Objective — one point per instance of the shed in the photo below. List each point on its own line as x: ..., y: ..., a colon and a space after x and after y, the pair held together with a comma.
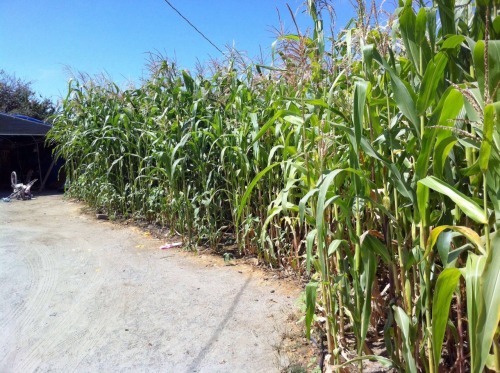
x: 22, y: 149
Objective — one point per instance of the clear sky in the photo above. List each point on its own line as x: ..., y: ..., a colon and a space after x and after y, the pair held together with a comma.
x: 40, y: 39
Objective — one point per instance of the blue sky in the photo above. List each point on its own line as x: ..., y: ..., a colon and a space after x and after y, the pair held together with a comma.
x: 40, y: 39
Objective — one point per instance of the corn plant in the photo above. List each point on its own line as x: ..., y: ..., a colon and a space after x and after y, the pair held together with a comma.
x: 366, y: 160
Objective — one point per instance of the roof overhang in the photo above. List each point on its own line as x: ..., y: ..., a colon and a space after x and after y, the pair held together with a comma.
x: 18, y: 125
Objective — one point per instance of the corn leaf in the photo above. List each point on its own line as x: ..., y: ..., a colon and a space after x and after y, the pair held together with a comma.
x: 403, y: 322
x: 493, y: 67
x: 466, y: 204
x: 409, y: 34
x: 453, y: 41
x: 359, y: 109
x: 489, y: 314
x: 366, y: 281
x: 374, y: 244
x: 270, y: 122
x: 486, y: 143
x: 311, y: 236
x: 320, y: 213
x: 385, y: 362
x: 445, y: 286
x: 468, y: 233
x: 447, y: 16
x: 433, y: 76
x: 249, y: 189
x: 402, y: 93
x: 334, y: 245
x: 441, y: 151
x: 310, y: 305
x: 473, y: 271
x: 423, y: 202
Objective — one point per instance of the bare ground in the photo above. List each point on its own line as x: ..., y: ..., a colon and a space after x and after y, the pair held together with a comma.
x: 84, y: 295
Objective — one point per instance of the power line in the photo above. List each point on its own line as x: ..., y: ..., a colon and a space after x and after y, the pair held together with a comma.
x: 193, y: 26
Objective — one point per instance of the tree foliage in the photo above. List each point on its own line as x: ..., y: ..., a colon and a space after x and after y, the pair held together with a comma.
x: 18, y: 97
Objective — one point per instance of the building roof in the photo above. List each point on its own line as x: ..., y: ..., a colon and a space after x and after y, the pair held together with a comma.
x: 21, y: 125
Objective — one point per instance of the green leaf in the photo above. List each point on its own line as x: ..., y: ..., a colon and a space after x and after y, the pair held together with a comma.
x: 310, y: 305
x: 443, y: 245
x: 433, y: 76
x: 270, y: 215
x: 374, y: 244
x: 320, y: 214
x: 441, y: 151
x: 431, y: 27
x: 468, y: 233
x: 402, y: 94
x: 294, y: 119
x: 447, y: 16
x: 334, y: 245
x: 270, y: 122
x: 466, y: 204
x: 360, y: 90
x: 448, y: 108
x: 403, y: 322
x: 311, y: 236
x: 473, y: 271
x: 486, y: 143
x: 420, y: 26
x: 493, y: 361
x: 445, y: 286
x: 482, y: 276
x: 367, y: 279
x: 423, y: 202
x: 248, y: 191
x: 302, y: 204
x: 489, y: 315
x: 451, y: 107
x: 412, y: 33
x: 453, y: 41
x: 398, y: 179
x: 385, y: 362
x: 188, y: 81
x: 496, y: 27
x: 493, y: 67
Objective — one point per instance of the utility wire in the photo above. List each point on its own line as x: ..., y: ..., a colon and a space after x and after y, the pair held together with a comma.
x: 193, y: 26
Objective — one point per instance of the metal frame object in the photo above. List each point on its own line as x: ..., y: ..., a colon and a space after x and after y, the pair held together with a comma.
x: 20, y: 191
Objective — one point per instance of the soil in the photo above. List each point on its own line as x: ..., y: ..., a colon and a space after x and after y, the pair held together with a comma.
x: 83, y: 294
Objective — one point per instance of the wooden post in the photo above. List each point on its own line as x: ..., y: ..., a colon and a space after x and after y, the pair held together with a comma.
x: 42, y: 187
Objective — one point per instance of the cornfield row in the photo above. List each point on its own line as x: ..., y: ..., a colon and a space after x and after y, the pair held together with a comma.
x: 369, y: 161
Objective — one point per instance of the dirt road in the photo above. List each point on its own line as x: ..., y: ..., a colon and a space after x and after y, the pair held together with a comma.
x: 82, y: 295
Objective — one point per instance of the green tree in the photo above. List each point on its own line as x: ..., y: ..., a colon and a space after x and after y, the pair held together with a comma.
x: 17, y: 97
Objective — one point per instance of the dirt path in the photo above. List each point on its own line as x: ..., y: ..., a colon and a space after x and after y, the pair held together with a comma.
x: 82, y: 295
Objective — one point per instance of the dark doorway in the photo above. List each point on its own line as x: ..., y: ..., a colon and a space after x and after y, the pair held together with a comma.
x: 23, y: 150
